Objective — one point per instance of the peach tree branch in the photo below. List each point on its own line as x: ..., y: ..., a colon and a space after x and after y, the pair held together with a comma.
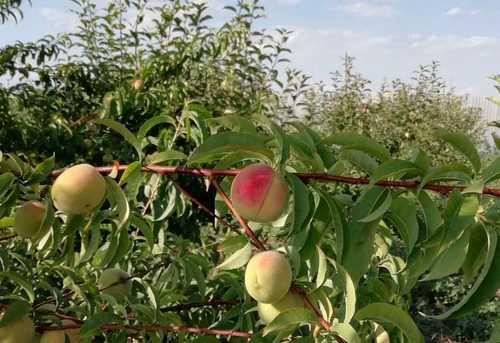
x: 307, y: 177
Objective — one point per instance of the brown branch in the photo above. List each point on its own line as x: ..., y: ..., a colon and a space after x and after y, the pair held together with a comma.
x: 248, y: 231
x: 6, y: 238
x: 155, y: 328
x: 319, y: 177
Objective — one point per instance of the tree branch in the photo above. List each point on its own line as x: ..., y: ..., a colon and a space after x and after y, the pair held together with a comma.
x: 6, y: 238
x: 154, y: 328
x: 319, y: 177
x: 248, y: 231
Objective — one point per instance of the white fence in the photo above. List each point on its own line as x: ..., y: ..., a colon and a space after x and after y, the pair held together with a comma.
x: 489, y: 110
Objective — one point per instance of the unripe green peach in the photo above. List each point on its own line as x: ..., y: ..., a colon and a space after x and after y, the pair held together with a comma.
x: 20, y: 331
x: 111, y: 276
x: 268, y: 312
x: 59, y: 336
x: 259, y: 193
x: 268, y: 277
x: 28, y: 219
x: 78, y: 190
x: 138, y: 84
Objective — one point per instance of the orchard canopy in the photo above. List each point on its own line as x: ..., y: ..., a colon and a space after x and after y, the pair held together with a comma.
x: 286, y: 247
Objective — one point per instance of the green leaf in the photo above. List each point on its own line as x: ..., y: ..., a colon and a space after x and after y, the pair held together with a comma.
x: 403, y: 215
x: 463, y: 144
x: 6, y: 181
x: 492, y: 172
x: 432, y: 216
x: 25, y: 284
x: 337, y: 220
x: 322, y: 267
x: 381, y: 312
x: 359, y: 237
x: 291, y: 317
x: 237, y: 259
x: 120, y: 200
x: 358, y: 142
x: 230, y: 142
x: 92, y: 325
x: 346, y: 332
x: 450, y: 261
x: 15, y: 311
x: 43, y: 170
x: 235, y: 123
x: 164, y: 156
x: 449, y: 172
x: 486, y: 284
x: 360, y: 160
x: 377, y: 213
x: 301, y: 206
x: 123, y: 131
x: 150, y: 123
x: 344, y: 279
x: 476, y: 254
x: 393, y: 169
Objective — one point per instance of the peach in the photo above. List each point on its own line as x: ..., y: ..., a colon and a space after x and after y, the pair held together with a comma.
x: 268, y: 312
x: 112, y: 276
x: 28, y: 219
x: 268, y: 277
x: 20, y: 331
x: 259, y: 193
x: 138, y: 84
x: 78, y: 190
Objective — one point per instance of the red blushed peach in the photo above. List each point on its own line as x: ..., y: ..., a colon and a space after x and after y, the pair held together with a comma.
x: 268, y: 277
x: 259, y: 193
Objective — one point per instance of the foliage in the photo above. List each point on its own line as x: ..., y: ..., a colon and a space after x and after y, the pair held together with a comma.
x: 357, y: 258
x: 410, y: 111
x: 208, y: 96
x: 66, y: 81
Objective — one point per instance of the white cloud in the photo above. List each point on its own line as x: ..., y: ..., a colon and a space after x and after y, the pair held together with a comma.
x: 466, y: 60
x: 60, y: 20
x: 287, y: 2
x: 373, y: 8
x: 434, y: 44
x: 458, y: 11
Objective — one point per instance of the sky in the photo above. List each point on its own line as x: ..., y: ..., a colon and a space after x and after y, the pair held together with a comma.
x: 389, y: 38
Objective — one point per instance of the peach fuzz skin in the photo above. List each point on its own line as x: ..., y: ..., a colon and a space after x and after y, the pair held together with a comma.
x: 259, y: 193
x: 268, y: 277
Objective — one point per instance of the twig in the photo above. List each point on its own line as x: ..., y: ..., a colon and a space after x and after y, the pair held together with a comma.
x: 205, y: 209
x: 319, y: 177
x: 154, y: 328
x: 6, y: 238
x: 248, y: 231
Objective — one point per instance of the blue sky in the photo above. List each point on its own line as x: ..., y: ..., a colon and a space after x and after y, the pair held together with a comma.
x: 389, y: 38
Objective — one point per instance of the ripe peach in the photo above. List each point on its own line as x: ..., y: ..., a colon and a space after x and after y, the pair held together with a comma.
x: 268, y: 312
x: 20, y: 331
x: 28, y: 219
x: 268, y: 277
x: 78, y: 190
x: 138, y: 84
x: 112, y: 276
x: 259, y: 193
